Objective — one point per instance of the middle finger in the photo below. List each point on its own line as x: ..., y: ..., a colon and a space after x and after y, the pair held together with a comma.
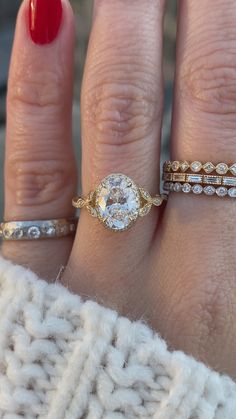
x: 122, y: 103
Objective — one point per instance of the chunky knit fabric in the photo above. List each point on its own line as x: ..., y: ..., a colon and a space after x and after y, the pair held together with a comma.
x: 61, y: 358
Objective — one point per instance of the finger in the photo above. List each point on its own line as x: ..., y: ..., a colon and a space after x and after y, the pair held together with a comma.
x: 40, y: 170
x: 203, y: 304
x: 122, y: 101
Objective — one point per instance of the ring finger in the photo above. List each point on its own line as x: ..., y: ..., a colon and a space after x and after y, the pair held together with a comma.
x: 203, y: 304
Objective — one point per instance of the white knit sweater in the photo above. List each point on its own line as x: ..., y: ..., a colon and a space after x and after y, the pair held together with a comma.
x: 61, y: 358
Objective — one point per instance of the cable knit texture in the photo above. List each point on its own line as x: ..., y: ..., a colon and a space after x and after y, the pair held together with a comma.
x: 61, y: 358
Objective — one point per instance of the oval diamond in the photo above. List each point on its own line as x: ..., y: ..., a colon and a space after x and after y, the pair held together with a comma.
x: 232, y: 192
x: 117, y: 202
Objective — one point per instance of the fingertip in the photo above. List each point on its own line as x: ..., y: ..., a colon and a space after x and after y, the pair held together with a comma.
x: 32, y: 13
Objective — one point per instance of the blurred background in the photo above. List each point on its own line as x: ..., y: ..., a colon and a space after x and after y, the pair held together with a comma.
x: 82, y: 9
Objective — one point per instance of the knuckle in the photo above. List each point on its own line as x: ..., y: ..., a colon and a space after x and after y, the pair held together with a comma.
x: 43, y: 89
x: 210, y: 81
x: 38, y: 182
x: 121, y: 113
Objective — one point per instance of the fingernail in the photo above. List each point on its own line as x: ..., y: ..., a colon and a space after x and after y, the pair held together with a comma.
x: 44, y: 20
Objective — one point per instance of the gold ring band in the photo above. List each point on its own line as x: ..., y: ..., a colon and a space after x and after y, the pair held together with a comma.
x: 199, y: 178
x: 117, y: 202
x: 37, y: 229
x: 197, y: 167
x: 198, y: 189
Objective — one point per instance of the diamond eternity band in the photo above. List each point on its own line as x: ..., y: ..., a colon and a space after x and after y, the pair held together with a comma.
x: 37, y: 229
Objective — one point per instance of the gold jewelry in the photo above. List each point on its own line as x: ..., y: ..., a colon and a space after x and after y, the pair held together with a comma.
x: 198, y: 189
x: 199, y: 178
x: 37, y: 230
x: 207, y: 178
x: 117, y: 202
x: 196, y: 167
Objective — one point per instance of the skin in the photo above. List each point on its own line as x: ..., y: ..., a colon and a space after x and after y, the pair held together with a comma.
x: 176, y: 268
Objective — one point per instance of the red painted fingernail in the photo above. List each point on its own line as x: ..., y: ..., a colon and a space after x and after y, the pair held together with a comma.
x: 44, y: 20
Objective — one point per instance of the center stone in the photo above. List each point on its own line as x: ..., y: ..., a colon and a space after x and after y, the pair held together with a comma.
x: 117, y: 202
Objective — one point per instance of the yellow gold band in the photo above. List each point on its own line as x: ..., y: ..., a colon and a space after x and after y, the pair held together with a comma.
x: 199, y: 178
x: 197, y: 167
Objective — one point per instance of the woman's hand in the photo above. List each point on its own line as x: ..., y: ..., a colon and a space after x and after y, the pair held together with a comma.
x: 176, y: 267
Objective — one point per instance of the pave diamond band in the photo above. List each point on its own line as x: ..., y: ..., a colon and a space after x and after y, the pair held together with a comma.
x: 37, y: 229
x: 117, y: 202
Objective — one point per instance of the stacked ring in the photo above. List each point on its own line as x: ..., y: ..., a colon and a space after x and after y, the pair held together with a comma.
x: 200, y: 178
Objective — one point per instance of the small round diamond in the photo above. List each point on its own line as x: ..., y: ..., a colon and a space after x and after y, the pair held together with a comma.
x: 177, y: 187
x: 7, y: 233
x: 175, y: 166
x: 232, y: 192
x: 51, y: 231
x: 117, y: 202
x: 186, y: 188
x: 221, y: 191
x: 171, y: 187
x: 233, y: 169
x: 209, y: 190
x: 196, y: 166
x: 197, y: 189
x: 209, y: 167
x: 18, y: 233
x: 34, y: 232
x: 222, y: 168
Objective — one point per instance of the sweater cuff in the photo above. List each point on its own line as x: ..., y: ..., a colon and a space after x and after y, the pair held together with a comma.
x: 62, y: 358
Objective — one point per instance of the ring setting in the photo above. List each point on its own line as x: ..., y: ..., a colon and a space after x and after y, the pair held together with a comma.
x: 118, y: 202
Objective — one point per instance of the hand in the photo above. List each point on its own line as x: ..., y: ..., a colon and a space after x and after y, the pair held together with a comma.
x: 176, y: 267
